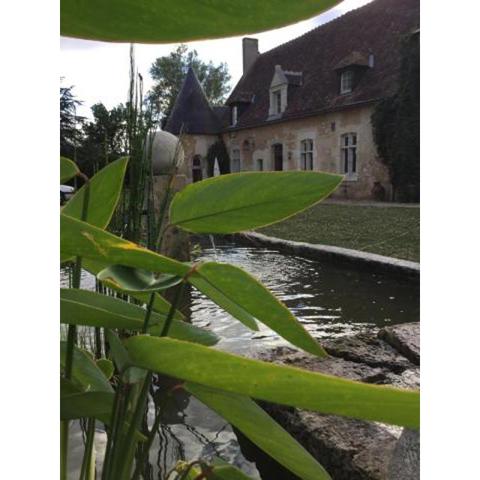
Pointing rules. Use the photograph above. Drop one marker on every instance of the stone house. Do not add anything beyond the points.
(306, 104)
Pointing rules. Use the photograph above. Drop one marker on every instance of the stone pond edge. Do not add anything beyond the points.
(338, 255)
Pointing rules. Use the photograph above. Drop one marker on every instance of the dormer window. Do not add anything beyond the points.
(277, 101)
(346, 81)
(234, 115)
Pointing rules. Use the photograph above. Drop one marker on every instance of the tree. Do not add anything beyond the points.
(169, 71)
(69, 122)
(396, 126)
(103, 139)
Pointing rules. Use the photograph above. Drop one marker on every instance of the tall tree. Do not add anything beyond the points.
(103, 138)
(169, 71)
(70, 122)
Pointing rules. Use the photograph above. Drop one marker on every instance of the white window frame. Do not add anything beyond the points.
(236, 161)
(277, 102)
(306, 154)
(349, 155)
(234, 115)
(346, 81)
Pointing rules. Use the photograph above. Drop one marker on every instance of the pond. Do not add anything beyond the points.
(328, 301)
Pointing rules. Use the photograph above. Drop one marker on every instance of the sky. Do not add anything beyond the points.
(99, 71)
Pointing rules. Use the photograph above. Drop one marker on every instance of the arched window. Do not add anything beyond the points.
(306, 154)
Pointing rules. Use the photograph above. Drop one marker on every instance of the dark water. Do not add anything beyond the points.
(329, 301)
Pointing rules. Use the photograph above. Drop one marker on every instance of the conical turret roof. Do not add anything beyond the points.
(192, 110)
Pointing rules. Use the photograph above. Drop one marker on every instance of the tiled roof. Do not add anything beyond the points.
(192, 110)
(376, 28)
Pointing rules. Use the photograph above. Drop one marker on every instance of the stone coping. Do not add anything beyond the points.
(338, 255)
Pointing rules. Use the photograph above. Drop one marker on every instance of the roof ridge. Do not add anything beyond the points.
(318, 27)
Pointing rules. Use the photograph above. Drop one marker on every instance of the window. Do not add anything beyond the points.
(234, 115)
(346, 81)
(306, 154)
(197, 168)
(260, 164)
(236, 166)
(277, 102)
(349, 154)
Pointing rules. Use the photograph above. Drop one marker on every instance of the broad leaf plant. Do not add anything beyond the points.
(151, 336)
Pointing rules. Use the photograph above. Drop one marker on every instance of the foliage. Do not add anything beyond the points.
(171, 21)
(221, 380)
(396, 126)
(103, 138)
(169, 72)
(120, 401)
(69, 121)
(253, 198)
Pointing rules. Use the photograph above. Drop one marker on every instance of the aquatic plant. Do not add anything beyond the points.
(145, 341)
(114, 385)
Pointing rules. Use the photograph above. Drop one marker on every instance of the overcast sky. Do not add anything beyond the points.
(100, 70)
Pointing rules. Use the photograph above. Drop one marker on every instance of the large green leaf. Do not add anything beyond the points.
(274, 383)
(228, 286)
(68, 169)
(130, 374)
(78, 238)
(106, 366)
(160, 305)
(245, 201)
(105, 188)
(249, 298)
(261, 429)
(85, 371)
(131, 279)
(171, 21)
(83, 307)
(87, 404)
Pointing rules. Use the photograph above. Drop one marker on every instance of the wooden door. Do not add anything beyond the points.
(278, 156)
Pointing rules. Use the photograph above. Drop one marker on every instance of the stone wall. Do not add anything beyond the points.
(196, 145)
(326, 131)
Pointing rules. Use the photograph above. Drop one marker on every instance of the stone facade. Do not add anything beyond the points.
(196, 147)
(306, 104)
(255, 144)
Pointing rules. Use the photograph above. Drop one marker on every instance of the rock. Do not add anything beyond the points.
(408, 379)
(330, 365)
(367, 349)
(405, 338)
(405, 462)
(350, 449)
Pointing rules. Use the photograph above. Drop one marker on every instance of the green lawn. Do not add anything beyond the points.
(392, 231)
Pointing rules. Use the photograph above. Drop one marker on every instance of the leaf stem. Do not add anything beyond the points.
(87, 455)
(148, 313)
(72, 332)
(171, 312)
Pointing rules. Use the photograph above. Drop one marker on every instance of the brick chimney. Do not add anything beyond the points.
(250, 52)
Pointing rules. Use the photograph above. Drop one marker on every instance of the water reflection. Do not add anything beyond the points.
(329, 301)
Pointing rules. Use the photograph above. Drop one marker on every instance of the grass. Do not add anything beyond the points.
(393, 231)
